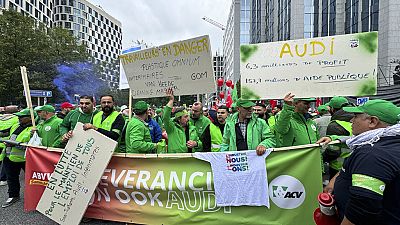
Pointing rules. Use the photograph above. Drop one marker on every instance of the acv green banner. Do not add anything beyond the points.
(180, 191)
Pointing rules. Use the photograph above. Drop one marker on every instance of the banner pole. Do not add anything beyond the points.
(27, 94)
(130, 104)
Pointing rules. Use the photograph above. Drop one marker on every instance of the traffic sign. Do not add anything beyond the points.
(41, 93)
(362, 101)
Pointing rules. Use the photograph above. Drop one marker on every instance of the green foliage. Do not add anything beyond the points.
(367, 88)
(246, 51)
(369, 41)
(25, 42)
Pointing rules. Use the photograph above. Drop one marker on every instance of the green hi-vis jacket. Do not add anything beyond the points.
(177, 136)
(17, 153)
(345, 152)
(137, 137)
(70, 121)
(293, 129)
(6, 122)
(107, 123)
(258, 133)
(49, 131)
(216, 138)
(200, 124)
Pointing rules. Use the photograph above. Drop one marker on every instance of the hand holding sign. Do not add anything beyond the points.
(288, 99)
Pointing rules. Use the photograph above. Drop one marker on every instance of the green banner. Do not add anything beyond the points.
(180, 191)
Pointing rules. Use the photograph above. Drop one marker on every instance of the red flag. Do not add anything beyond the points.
(229, 100)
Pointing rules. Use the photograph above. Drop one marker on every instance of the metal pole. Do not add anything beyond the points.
(38, 101)
(130, 104)
(198, 97)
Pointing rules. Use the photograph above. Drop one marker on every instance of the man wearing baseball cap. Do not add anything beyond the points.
(13, 155)
(367, 188)
(66, 107)
(137, 137)
(49, 127)
(295, 125)
(245, 131)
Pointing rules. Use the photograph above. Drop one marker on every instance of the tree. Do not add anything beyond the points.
(26, 42)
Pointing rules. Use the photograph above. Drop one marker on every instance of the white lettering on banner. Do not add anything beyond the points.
(159, 181)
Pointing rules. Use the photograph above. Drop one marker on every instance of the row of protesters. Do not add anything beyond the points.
(7, 120)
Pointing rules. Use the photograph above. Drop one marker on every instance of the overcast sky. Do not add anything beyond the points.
(160, 22)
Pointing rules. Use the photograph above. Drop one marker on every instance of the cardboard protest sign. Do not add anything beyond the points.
(76, 176)
(344, 65)
(185, 66)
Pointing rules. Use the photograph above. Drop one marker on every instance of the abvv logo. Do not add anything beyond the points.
(287, 192)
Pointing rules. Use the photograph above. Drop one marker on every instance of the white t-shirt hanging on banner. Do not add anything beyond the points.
(240, 178)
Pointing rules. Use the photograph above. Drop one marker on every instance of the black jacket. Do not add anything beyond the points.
(376, 166)
(334, 128)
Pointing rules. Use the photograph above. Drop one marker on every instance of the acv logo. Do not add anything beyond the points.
(287, 192)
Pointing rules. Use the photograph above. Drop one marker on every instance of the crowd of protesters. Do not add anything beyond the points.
(363, 171)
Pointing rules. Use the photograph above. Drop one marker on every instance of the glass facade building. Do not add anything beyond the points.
(100, 32)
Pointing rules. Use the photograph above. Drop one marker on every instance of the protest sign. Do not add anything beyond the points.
(185, 66)
(75, 176)
(342, 65)
(180, 190)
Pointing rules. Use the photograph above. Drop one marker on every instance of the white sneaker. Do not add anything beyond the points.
(3, 183)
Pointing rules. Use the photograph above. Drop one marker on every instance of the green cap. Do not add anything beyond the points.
(322, 109)
(47, 108)
(141, 106)
(384, 110)
(244, 103)
(337, 102)
(306, 99)
(24, 112)
(158, 111)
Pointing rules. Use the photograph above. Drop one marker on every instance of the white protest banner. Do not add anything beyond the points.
(76, 176)
(185, 66)
(344, 65)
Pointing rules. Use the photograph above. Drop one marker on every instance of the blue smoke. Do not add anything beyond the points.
(78, 78)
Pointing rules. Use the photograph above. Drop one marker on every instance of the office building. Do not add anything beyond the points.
(99, 31)
(94, 27)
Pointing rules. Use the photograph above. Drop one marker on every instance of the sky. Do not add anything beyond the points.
(159, 22)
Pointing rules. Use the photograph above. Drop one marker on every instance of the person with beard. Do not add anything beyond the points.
(83, 114)
(294, 125)
(261, 110)
(245, 131)
(13, 156)
(155, 129)
(182, 137)
(367, 188)
(108, 121)
(222, 115)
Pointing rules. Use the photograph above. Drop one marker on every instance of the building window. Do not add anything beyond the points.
(67, 25)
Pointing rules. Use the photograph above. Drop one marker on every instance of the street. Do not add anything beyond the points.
(15, 215)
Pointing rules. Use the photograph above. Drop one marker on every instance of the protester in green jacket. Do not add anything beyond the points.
(6, 122)
(13, 156)
(83, 114)
(294, 125)
(182, 137)
(199, 120)
(49, 127)
(245, 131)
(137, 137)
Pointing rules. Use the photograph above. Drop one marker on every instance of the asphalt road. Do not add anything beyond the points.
(15, 214)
